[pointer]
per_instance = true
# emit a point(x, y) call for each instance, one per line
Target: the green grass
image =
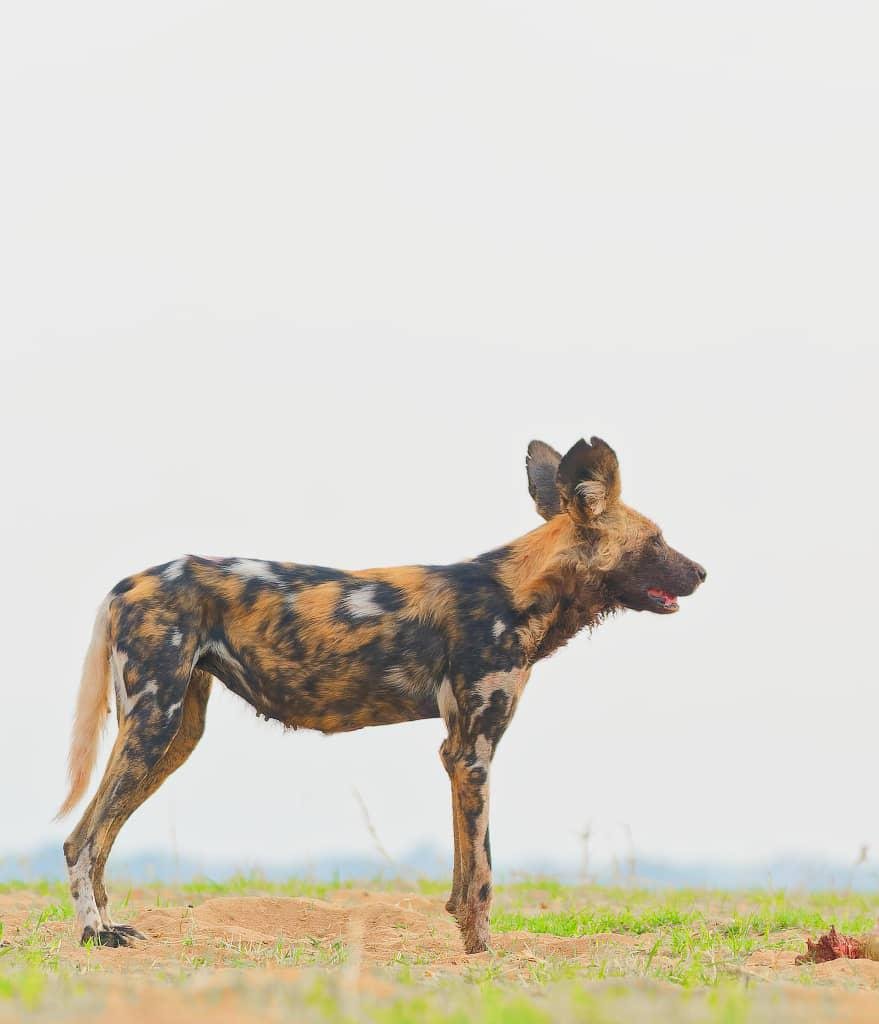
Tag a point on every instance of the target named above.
point(697, 940)
point(639, 911)
point(42, 886)
point(246, 885)
point(590, 922)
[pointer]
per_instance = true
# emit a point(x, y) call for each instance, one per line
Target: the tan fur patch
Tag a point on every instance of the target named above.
point(426, 597)
point(533, 555)
point(511, 683)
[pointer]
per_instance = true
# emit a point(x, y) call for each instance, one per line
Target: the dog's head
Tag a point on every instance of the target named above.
point(637, 568)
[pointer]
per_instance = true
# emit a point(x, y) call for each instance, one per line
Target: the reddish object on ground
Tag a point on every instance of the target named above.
point(832, 946)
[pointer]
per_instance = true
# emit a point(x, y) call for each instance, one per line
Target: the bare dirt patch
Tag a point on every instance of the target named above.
point(380, 927)
point(265, 956)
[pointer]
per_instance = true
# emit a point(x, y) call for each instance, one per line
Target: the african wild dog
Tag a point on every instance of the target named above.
point(331, 650)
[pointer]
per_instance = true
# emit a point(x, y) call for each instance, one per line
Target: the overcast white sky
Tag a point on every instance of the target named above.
point(260, 259)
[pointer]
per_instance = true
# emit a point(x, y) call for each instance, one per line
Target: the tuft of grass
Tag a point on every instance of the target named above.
point(256, 884)
point(590, 921)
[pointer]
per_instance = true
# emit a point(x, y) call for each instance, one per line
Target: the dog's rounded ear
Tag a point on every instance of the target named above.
point(542, 463)
point(588, 478)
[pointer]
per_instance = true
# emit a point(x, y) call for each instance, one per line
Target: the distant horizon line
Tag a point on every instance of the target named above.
point(428, 861)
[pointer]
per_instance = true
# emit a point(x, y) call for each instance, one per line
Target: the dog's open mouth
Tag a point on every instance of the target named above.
point(668, 602)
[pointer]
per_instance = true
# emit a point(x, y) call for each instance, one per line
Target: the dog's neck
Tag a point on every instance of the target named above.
point(551, 586)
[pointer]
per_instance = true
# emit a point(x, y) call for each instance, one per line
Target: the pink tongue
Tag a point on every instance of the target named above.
point(663, 595)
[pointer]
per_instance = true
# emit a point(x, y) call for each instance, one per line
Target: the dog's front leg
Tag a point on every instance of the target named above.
point(476, 715)
point(469, 778)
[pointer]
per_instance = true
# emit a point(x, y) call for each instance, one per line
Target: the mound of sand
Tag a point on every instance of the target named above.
point(378, 926)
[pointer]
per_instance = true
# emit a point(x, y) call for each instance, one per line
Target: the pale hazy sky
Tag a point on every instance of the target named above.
point(263, 263)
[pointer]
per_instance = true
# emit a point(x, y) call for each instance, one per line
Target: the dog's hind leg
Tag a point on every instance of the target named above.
point(182, 745)
point(448, 755)
point(149, 725)
point(454, 900)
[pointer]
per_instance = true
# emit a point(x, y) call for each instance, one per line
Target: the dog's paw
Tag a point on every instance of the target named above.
point(476, 943)
point(103, 937)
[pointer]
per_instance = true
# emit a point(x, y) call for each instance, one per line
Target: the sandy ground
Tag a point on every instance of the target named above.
point(380, 926)
point(205, 947)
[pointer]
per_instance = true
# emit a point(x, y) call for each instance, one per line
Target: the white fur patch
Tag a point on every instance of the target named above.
point(498, 628)
point(222, 652)
point(83, 894)
point(169, 714)
point(118, 661)
point(594, 495)
point(361, 603)
point(253, 569)
point(151, 688)
point(175, 569)
point(445, 700)
point(176, 637)
point(483, 750)
point(117, 670)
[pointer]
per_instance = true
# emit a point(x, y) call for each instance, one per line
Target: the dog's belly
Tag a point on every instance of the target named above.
point(348, 715)
point(334, 695)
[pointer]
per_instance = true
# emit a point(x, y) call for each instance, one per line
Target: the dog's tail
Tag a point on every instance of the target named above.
point(92, 708)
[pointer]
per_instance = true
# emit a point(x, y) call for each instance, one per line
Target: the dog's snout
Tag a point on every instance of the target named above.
point(700, 572)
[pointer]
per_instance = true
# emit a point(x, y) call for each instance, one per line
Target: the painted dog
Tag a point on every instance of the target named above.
point(324, 649)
